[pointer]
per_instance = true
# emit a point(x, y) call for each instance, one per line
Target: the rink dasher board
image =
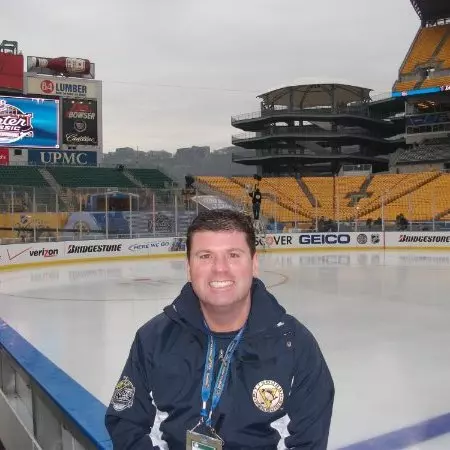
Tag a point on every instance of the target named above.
point(95, 250)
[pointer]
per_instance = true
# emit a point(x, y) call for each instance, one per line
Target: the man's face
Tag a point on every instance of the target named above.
point(221, 268)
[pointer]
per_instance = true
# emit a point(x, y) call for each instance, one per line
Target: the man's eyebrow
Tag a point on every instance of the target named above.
point(207, 250)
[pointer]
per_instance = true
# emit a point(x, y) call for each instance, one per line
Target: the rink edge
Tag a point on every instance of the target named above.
point(80, 407)
point(182, 255)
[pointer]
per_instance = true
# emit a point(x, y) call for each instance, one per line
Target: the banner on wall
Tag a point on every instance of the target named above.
point(29, 122)
point(62, 158)
point(61, 87)
point(79, 122)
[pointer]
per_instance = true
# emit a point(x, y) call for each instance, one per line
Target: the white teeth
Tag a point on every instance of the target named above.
point(220, 284)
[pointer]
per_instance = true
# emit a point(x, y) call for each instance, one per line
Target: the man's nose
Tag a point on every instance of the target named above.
point(221, 263)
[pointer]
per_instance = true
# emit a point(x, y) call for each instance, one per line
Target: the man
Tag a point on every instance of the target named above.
point(256, 202)
point(224, 326)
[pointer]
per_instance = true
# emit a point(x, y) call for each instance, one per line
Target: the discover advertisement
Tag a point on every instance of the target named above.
point(29, 122)
point(79, 123)
point(51, 86)
point(62, 158)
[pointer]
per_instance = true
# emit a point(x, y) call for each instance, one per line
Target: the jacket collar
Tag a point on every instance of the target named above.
point(265, 311)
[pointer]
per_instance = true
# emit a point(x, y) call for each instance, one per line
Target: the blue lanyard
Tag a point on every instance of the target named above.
point(221, 376)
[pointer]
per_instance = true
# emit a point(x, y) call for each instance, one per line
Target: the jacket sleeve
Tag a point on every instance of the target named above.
point(311, 399)
point(131, 413)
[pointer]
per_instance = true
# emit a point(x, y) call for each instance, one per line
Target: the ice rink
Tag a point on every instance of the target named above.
point(382, 320)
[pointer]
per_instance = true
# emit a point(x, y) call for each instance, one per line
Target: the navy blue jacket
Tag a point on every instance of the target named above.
point(279, 385)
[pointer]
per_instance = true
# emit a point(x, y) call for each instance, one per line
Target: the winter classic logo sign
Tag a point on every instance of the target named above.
point(268, 396)
point(14, 123)
point(123, 396)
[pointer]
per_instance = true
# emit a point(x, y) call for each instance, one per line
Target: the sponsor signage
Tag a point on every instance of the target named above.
point(145, 247)
point(4, 156)
point(275, 240)
point(324, 239)
point(22, 253)
point(95, 249)
point(98, 248)
point(29, 122)
point(75, 88)
point(79, 122)
point(431, 238)
point(62, 158)
point(11, 72)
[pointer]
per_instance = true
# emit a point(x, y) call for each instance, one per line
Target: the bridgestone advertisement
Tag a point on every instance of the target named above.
point(79, 122)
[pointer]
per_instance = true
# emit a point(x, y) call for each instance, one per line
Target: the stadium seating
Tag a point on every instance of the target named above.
point(90, 177)
point(424, 47)
point(443, 56)
point(238, 194)
point(390, 190)
point(401, 86)
point(152, 178)
point(21, 176)
point(285, 191)
point(438, 81)
point(322, 189)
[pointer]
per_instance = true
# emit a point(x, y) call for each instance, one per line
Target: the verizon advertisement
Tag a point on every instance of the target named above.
point(76, 88)
point(79, 123)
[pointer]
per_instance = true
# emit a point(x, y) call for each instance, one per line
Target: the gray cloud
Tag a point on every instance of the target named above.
point(174, 71)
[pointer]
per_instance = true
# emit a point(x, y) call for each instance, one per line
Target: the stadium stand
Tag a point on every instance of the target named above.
point(90, 177)
point(151, 178)
point(419, 196)
point(21, 176)
point(424, 47)
point(437, 81)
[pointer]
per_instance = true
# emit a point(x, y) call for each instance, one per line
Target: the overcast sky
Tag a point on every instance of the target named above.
point(175, 71)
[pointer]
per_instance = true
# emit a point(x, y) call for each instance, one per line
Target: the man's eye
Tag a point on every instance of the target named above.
point(234, 255)
point(204, 256)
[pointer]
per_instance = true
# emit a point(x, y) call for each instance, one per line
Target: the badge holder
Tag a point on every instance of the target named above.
point(200, 441)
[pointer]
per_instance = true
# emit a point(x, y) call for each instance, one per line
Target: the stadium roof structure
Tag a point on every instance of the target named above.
point(432, 10)
point(315, 95)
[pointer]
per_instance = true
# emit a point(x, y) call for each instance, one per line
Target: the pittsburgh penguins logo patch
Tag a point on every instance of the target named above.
point(268, 396)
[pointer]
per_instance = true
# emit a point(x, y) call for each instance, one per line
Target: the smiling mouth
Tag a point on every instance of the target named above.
point(220, 284)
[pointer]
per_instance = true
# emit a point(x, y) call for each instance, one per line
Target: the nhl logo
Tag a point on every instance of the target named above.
point(375, 238)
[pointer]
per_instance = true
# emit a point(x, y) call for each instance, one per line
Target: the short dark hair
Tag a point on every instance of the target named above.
point(222, 220)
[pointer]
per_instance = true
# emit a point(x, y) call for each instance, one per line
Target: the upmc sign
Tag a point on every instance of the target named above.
point(62, 158)
point(61, 87)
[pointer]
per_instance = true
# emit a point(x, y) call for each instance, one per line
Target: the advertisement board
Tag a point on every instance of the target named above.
point(62, 158)
point(418, 239)
point(51, 86)
point(29, 122)
point(79, 122)
point(11, 72)
point(4, 156)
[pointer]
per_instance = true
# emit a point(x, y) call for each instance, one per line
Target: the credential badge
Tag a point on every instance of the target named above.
point(123, 395)
point(268, 396)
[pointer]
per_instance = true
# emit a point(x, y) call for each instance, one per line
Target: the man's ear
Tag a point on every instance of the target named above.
point(255, 265)
point(188, 270)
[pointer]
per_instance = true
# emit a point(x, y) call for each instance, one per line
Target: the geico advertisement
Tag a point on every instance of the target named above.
point(340, 240)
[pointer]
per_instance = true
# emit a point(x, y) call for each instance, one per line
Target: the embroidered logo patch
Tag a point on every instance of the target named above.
point(268, 396)
point(123, 396)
